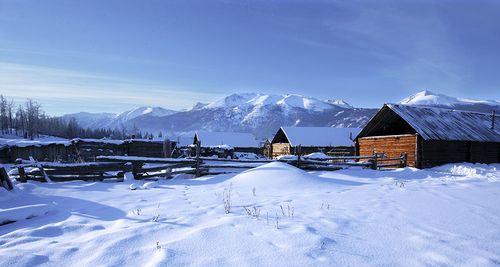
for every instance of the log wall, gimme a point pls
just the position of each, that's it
(151, 149)
(52, 152)
(392, 146)
(435, 152)
(280, 149)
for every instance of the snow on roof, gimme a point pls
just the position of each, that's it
(209, 139)
(320, 136)
(26, 143)
(448, 124)
(103, 141)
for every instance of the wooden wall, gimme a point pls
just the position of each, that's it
(391, 146)
(145, 149)
(434, 152)
(53, 152)
(280, 149)
(84, 150)
(87, 151)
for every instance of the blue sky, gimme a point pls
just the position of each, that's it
(109, 56)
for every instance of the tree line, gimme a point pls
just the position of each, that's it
(28, 120)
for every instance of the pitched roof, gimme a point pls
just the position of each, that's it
(227, 138)
(320, 136)
(446, 124)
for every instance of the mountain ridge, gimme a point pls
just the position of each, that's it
(262, 114)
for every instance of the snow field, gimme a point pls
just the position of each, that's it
(355, 217)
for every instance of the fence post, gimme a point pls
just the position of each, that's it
(5, 180)
(44, 174)
(128, 170)
(404, 159)
(22, 174)
(198, 160)
(299, 152)
(167, 148)
(136, 169)
(373, 161)
(168, 173)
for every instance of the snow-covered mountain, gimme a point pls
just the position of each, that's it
(287, 102)
(262, 114)
(143, 111)
(92, 120)
(112, 120)
(428, 98)
(339, 102)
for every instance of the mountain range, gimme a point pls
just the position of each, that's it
(261, 114)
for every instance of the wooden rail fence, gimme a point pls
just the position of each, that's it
(115, 167)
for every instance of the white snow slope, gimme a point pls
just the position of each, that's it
(446, 216)
(287, 101)
(112, 120)
(428, 98)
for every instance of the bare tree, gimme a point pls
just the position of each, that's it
(3, 115)
(32, 109)
(10, 115)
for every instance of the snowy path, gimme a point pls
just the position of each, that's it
(446, 216)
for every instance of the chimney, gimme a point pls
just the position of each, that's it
(493, 120)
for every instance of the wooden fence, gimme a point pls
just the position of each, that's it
(58, 172)
(115, 167)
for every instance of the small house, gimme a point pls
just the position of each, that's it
(329, 140)
(431, 136)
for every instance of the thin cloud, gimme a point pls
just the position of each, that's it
(64, 90)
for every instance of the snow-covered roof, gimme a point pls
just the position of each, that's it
(320, 136)
(209, 139)
(447, 124)
(102, 141)
(18, 142)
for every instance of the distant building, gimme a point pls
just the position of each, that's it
(82, 149)
(221, 144)
(329, 140)
(431, 136)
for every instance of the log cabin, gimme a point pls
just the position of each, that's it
(431, 136)
(329, 140)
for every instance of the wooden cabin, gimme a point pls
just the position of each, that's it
(329, 140)
(431, 136)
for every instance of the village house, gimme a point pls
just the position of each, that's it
(329, 140)
(431, 136)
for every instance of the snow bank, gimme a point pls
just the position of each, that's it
(471, 170)
(23, 212)
(277, 176)
(247, 155)
(317, 155)
(287, 157)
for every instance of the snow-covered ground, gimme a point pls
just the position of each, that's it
(279, 216)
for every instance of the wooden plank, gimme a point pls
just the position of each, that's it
(143, 159)
(5, 180)
(392, 146)
(237, 160)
